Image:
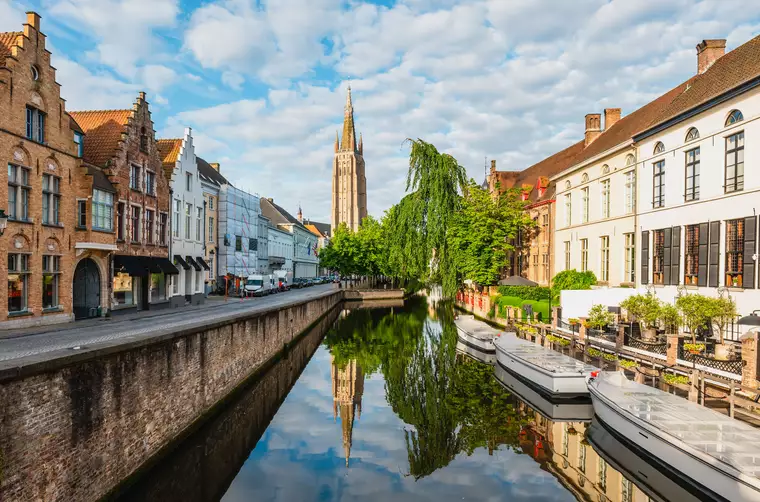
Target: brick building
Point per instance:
(37, 254)
(122, 143)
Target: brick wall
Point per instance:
(73, 429)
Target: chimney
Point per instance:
(215, 166)
(611, 116)
(709, 51)
(593, 127)
(33, 20)
(142, 95)
(493, 166)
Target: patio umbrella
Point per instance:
(516, 280)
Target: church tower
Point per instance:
(349, 197)
(347, 388)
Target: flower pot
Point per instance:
(650, 334)
(722, 351)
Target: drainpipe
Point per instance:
(169, 236)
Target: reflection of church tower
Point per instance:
(347, 387)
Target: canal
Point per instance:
(384, 404)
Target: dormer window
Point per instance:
(35, 73)
(659, 147)
(692, 134)
(734, 117)
(630, 160)
(584, 178)
(143, 140)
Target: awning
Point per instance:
(276, 260)
(203, 263)
(179, 261)
(167, 266)
(132, 265)
(192, 262)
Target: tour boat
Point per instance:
(477, 354)
(559, 409)
(718, 452)
(550, 372)
(476, 334)
(655, 478)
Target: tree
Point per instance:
(599, 316)
(571, 280)
(670, 318)
(644, 309)
(481, 233)
(696, 310)
(722, 313)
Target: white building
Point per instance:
(280, 252)
(188, 214)
(263, 253)
(305, 261)
(211, 183)
(699, 188)
(237, 250)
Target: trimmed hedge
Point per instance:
(536, 293)
(502, 302)
(539, 308)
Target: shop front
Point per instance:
(140, 282)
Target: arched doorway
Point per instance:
(86, 289)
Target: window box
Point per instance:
(51, 310)
(21, 313)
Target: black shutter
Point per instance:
(666, 256)
(750, 237)
(675, 257)
(713, 276)
(645, 257)
(703, 243)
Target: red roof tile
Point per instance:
(7, 40)
(169, 150)
(103, 129)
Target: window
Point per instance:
(605, 255)
(658, 257)
(734, 252)
(211, 232)
(238, 243)
(35, 125)
(143, 140)
(602, 474)
(253, 245)
(157, 287)
(735, 162)
(51, 200)
(134, 177)
(568, 210)
(177, 205)
(545, 263)
(188, 223)
(79, 143)
(582, 457)
(630, 160)
(123, 291)
(18, 193)
(81, 214)
(35, 73)
(584, 255)
(630, 258)
(659, 147)
(199, 223)
(211, 266)
(135, 224)
(162, 218)
(691, 255)
(51, 270)
(605, 169)
(567, 255)
(210, 203)
(626, 490)
(188, 182)
(150, 183)
(658, 184)
(630, 191)
(584, 200)
(18, 279)
(692, 134)
(121, 221)
(584, 178)
(734, 117)
(692, 175)
(149, 225)
(567, 185)
(605, 198)
(102, 210)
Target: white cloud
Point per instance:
(157, 77)
(84, 90)
(233, 80)
(11, 16)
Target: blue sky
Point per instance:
(262, 82)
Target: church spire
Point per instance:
(337, 142)
(348, 141)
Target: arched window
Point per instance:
(692, 134)
(567, 185)
(605, 169)
(35, 73)
(630, 160)
(659, 147)
(584, 178)
(734, 117)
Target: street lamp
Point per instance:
(751, 320)
(3, 221)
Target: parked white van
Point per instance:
(259, 285)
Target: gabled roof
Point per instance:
(548, 167)
(169, 151)
(7, 40)
(321, 229)
(277, 215)
(103, 129)
(209, 174)
(311, 228)
(99, 179)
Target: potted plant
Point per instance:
(573, 321)
(644, 309)
(722, 314)
(694, 348)
(599, 317)
(670, 319)
(695, 310)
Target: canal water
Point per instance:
(382, 404)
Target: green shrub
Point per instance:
(675, 379)
(627, 363)
(526, 292)
(570, 280)
(541, 309)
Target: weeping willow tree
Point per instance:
(416, 227)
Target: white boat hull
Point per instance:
(478, 343)
(700, 468)
(476, 354)
(553, 384)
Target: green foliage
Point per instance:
(722, 313)
(540, 309)
(558, 340)
(670, 318)
(694, 347)
(594, 352)
(599, 317)
(627, 363)
(696, 311)
(644, 309)
(537, 293)
(675, 379)
(481, 233)
(571, 280)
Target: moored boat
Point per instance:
(717, 452)
(476, 334)
(552, 373)
(477, 354)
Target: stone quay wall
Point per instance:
(73, 430)
(374, 294)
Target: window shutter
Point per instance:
(645, 257)
(750, 238)
(675, 257)
(713, 276)
(703, 246)
(667, 242)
